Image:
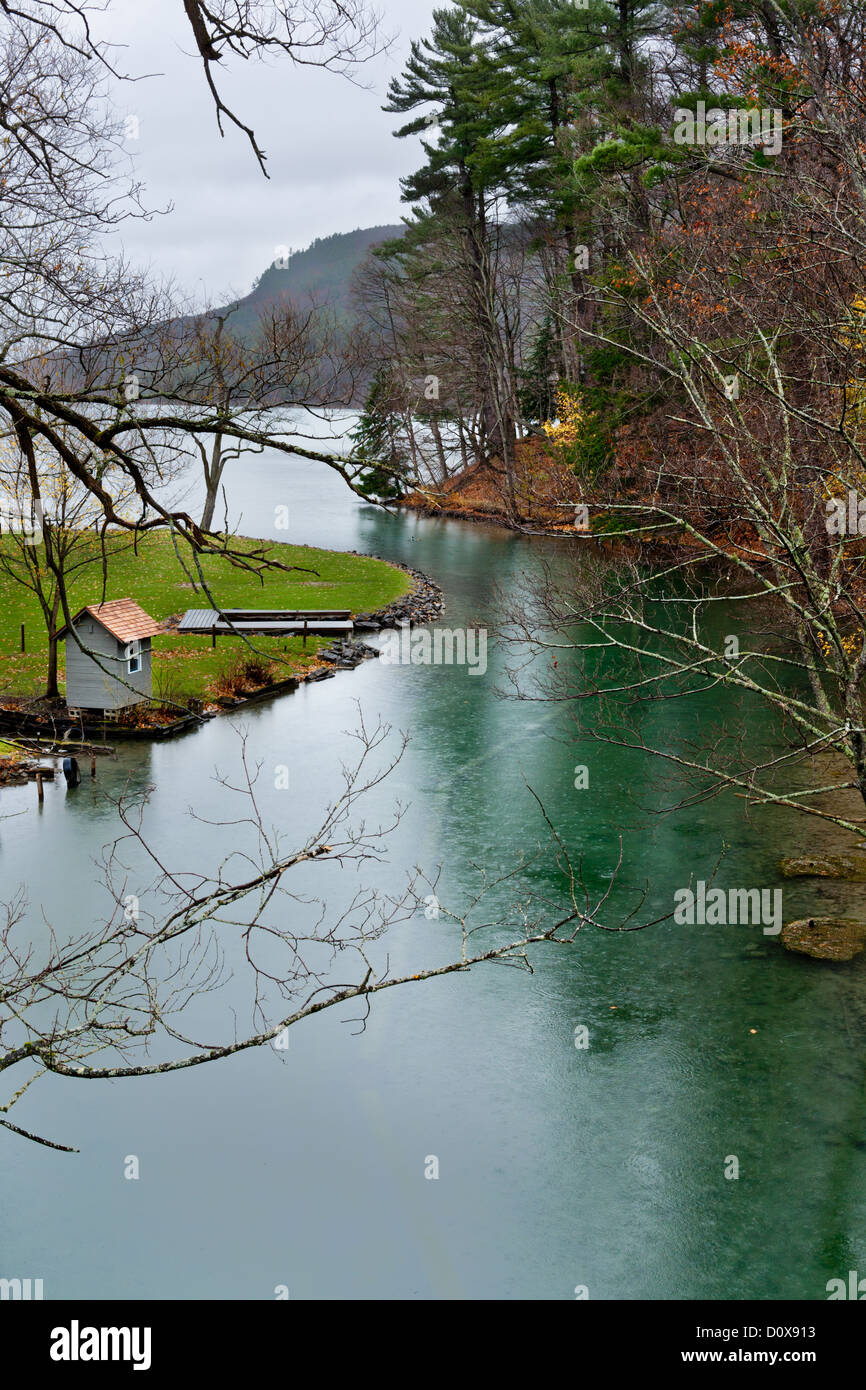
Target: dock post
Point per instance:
(306, 625)
(40, 790)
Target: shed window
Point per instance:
(133, 658)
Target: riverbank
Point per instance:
(165, 582)
(244, 674)
(677, 1046)
(546, 493)
(551, 500)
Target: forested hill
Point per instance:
(324, 271)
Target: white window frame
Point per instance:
(133, 658)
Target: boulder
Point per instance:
(846, 866)
(826, 938)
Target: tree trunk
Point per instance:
(440, 450)
(497, 410)
(213, 478)
(52, 691)
(461, 435)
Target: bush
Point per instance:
(245, 673)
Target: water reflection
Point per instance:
(558, 1167)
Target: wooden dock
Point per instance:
(268, 622)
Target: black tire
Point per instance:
(71, 772)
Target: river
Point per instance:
(559, 1167)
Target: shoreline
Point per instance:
(422, 603)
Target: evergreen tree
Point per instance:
(376, 442)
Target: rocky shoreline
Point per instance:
(15, 772)
(422, 604)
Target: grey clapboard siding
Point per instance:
(89, 687)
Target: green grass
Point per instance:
(154, 578)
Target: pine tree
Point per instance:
(376, 438)
(450, 72)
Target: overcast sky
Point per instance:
(333, 161)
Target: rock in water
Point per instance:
(826, 938)
(825, 866)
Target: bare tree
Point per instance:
(121, 999)
(98, 366)
(294, 356)
(337, 35)
(51, 532)
(449, 311)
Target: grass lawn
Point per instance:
(186, 667)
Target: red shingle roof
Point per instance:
(122, 618)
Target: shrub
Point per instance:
(246, 672)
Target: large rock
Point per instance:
(826, 938)
(847, 866)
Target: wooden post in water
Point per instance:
(93, 765)
(40, 790)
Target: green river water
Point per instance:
(559, 1167)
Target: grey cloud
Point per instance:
(333, 162)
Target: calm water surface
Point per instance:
(558, 1167)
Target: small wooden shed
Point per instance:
(120, 635)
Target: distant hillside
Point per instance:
(324, 270)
